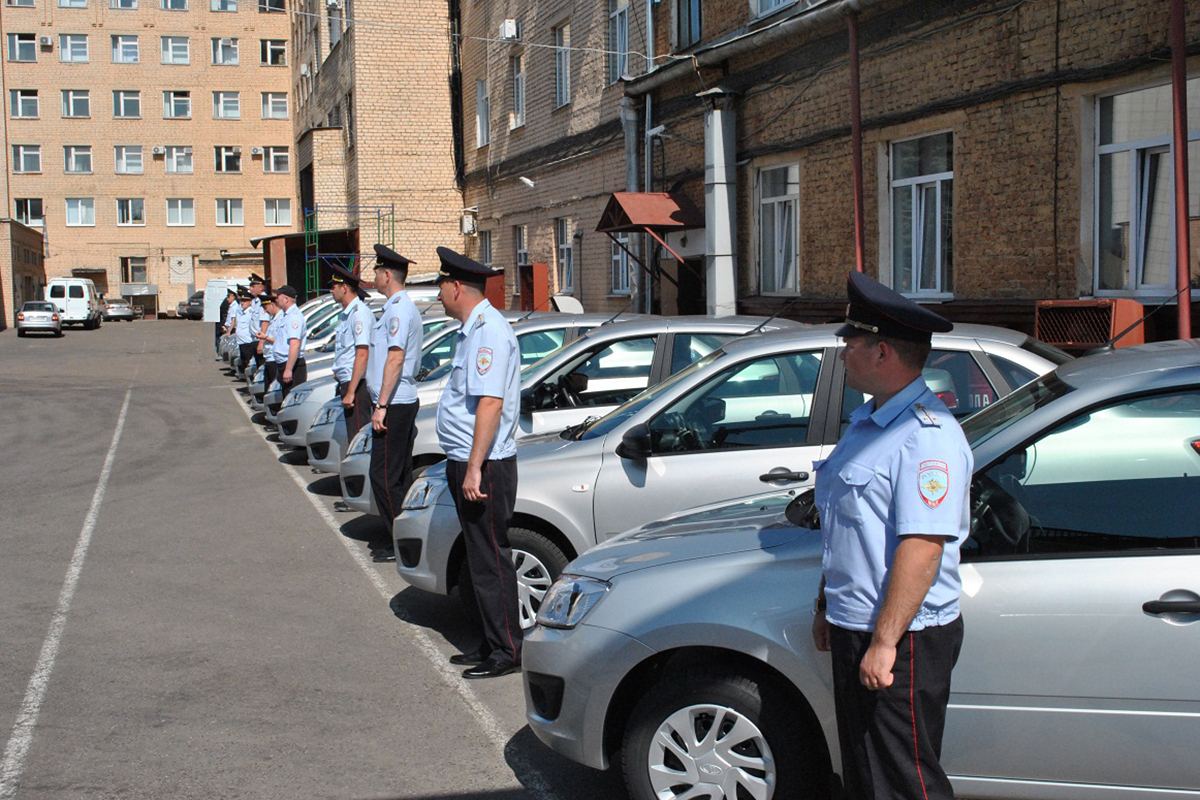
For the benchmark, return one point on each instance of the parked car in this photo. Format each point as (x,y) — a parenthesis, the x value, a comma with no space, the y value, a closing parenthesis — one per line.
(1081,584)
(40,316)
(117,308)
(757,411)
(192,308)
(77,301)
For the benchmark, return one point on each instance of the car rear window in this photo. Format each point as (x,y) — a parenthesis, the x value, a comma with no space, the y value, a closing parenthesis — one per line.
(58,290)
(76,291)
(38,307)
(1000,415)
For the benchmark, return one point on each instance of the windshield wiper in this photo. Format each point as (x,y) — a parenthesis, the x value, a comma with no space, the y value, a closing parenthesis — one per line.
(573,432)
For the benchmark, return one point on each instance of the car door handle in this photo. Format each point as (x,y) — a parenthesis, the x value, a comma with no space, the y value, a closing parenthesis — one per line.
(1171,607)
(783,474)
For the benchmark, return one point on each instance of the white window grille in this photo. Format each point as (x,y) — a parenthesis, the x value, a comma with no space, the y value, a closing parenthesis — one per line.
(922,203)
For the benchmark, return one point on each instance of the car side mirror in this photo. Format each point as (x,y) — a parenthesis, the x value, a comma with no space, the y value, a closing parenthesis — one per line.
(635,444)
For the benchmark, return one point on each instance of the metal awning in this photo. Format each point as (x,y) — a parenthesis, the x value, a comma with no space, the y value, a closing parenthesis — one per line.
(291,236)
(651,213)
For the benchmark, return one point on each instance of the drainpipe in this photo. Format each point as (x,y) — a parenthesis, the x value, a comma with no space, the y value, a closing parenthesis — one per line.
(629,130)
(720,201)
(856,143)
(1183,275)
(648,156)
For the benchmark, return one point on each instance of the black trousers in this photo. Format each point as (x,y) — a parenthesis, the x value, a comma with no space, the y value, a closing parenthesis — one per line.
(391,462)
(489,556)
(259,358)
(246,351)
(892,738)
(299,376)
(218,327)
(268,376)
(358,414)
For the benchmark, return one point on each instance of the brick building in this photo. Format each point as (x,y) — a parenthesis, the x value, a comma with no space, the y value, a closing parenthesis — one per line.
(1012,151)
(145,136)
(22,269)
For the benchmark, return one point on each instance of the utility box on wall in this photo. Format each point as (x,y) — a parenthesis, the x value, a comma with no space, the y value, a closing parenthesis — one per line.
(1083,324)
(533,283)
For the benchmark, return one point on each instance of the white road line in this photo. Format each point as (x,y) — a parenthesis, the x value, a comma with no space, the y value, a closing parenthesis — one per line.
(22,733)
(450,676)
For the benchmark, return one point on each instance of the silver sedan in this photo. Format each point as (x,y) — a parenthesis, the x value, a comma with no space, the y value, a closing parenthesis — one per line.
(39,316)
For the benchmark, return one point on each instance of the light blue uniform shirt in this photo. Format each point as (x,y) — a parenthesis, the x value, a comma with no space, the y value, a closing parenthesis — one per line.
(900,470)
(257,314)
(486,363)
(290,326)
(230,312)
(353,331)
(272,330)
(399,326)
(243,333)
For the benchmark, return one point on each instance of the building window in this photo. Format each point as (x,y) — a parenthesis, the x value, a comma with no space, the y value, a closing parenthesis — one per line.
(229,159)
(177,105)
(227,105)
(26,158)
(76,103)
(334,15)
(274,105)
(20,3)
(72,3)
(81,211)
(223,5)
(521,245)
(483,114)
(129,159)
(349,119)
(125,49)
(562,65)
(687,23)
(273,52)
(181,212)
(767,6)
(565,246)
(778,234)
(29,212)
(229,211)
(620,264)
(123,5)
(224,51)
(922,184)
(73,48)
(178,159)
(485,248)
(23,103)
(133,269)
(127,104)
(272,6)
(77,158)
(131,211)
(173,5)
(517,118)
(176,50)
(22,47)
(275,159)
(1135,203)
(277,211)
(618,39)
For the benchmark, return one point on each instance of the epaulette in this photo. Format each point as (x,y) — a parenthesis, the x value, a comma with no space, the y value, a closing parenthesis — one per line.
(926,416)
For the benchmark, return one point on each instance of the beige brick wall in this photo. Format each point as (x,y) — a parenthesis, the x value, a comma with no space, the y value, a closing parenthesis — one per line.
(103,245)
(22,269)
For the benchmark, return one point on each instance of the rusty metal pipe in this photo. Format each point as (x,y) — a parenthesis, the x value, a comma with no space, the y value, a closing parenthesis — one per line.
(1179,145)
(860,233)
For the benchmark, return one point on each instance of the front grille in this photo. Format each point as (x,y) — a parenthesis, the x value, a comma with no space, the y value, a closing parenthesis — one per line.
(320,450)
(546,692)
(354,485)
(409,552)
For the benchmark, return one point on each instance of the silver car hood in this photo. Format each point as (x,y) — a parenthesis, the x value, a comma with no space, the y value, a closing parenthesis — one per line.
(537,445)
(756,523)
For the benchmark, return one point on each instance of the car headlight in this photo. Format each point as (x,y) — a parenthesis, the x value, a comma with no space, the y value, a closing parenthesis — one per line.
(361,443)
(569,600)
(420,495)
(296,398)
(327,416)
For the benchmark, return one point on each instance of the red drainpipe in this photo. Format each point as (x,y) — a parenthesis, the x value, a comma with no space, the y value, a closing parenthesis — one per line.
(856,144)
(1183,276)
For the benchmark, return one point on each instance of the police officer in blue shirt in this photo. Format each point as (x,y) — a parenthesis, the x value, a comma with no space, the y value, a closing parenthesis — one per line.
(288,348)
(477,427)
(266,339)
(352,348)
(392,381)
(893,499)
(258,317)
(242,331)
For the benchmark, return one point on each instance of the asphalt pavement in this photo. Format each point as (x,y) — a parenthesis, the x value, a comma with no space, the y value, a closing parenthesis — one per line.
(186,616)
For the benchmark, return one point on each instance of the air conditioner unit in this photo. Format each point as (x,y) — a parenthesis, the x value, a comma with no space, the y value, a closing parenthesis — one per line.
(237,151)
(1083,324)
(333,3)
(46,41)
(468,225)
(304,70)
(510,29)
(256,151)
(158,150)
(227,43)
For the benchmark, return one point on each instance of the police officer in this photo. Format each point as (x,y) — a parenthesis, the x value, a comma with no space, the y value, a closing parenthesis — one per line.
(392,381)
(288,348)
(223,325)
(352,348)
(242,330)
(477,426)
(257,317)
(266,338)
(893,505)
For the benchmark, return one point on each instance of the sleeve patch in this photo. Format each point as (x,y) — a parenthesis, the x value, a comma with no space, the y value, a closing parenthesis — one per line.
(483,360)
(393,326)
(933,482)
(357,327)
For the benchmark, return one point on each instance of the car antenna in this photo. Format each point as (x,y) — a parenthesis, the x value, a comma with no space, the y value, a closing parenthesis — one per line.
(624,308)
(1108,346)
(785,307)
(534,309)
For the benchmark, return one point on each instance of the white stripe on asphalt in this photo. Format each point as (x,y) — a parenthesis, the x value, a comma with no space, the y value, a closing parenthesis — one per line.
(22,734)
(450,676)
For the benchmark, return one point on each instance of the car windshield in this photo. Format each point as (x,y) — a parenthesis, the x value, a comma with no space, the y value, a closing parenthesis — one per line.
(997,417)
(594,428)
(1046,351)
(34,306)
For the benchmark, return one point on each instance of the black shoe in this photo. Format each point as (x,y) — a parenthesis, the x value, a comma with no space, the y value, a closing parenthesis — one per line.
(342,505)
(491,668)
(383,556)
(467,659)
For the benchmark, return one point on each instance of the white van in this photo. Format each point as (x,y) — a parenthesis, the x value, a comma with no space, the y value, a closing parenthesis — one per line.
(76,300)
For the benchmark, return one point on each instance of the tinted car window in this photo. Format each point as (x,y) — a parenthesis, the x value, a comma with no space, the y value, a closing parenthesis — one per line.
(536,344)
(762,403)
(689,347)
(1116,480)
(58,290)
(436,353)
(1014,373)
(76,291)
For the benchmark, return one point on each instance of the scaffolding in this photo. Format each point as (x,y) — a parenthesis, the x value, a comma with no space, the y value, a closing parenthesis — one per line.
(385,234)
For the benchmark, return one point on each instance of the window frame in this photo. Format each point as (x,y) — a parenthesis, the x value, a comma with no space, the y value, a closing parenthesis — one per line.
(123,156)
(268,214)
(168,46)
(20,152)
(775,203)
(69,98)
(564,249)
(618,40)
(179,210)
(266,47)
(127,208)
(17,100)
(483,115)
(222,153)
(231,203)
(20,44)
(270,155)
(485,247)
(518,75)
(86,207)
(939,180)
(71,152)
(619,264)
(121,97)
(268,99)
(120,43)
(688,25)
(223,6)
(174,154)
(220,99)
(220,53)
(25,216)
(67,46)
(562,64)
(174,96)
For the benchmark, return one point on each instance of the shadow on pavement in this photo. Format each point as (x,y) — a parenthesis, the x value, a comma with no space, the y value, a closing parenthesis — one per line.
(260,418)
(296,458)
(533,762)
(440,613)
(327,486)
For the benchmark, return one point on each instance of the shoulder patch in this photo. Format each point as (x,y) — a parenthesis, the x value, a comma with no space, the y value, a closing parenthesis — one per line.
(933,482)
(927,417)
(393,326)
(295,325)
(357,326)
(483,360)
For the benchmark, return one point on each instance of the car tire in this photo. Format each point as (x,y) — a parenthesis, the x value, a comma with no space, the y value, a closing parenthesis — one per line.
(538,562)
(685,706)
(20,334)
(58,332)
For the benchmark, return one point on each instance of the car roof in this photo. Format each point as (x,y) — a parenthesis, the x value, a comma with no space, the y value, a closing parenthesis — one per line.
(1148,365)
(737,324)
(825,335)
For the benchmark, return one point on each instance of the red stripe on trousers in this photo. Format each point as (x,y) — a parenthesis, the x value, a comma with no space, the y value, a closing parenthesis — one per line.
(492,530)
